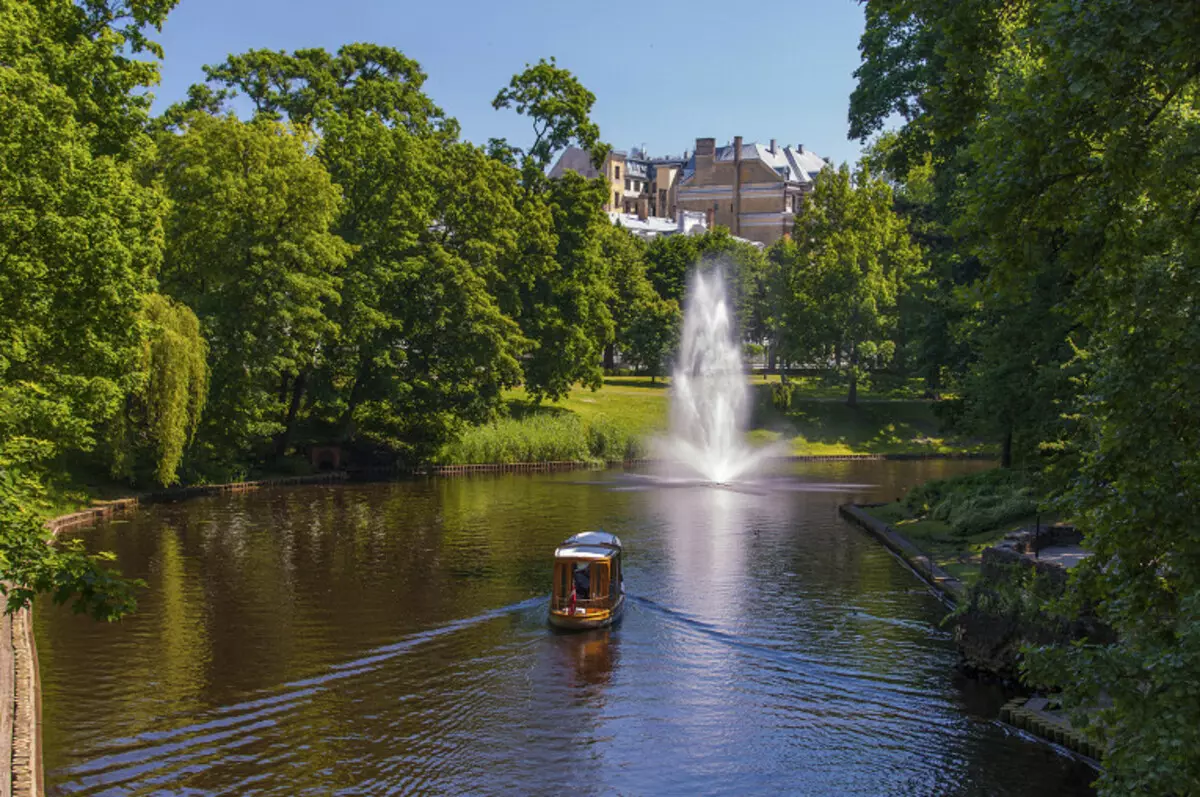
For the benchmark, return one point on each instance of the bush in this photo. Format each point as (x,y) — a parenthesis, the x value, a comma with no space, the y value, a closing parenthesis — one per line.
(978,502)
(609,441)
(781,395)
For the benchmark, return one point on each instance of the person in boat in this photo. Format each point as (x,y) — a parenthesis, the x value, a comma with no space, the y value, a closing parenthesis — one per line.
(582,581)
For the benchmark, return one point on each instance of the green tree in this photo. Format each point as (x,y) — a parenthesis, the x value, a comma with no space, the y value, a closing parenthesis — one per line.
(80,239)
(1069,140)
(652,333)
(424,345)
(163,411)
(558,290)
(841,279)
(250,249)
(560,108)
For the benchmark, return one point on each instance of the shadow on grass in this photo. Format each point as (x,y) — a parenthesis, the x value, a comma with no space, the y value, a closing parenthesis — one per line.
(519,409)
(898,426)
(635,381)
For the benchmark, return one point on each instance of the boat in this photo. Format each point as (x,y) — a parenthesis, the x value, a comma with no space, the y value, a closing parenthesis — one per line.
(589,585)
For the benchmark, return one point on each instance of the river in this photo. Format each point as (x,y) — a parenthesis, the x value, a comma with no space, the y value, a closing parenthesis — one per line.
(392,638)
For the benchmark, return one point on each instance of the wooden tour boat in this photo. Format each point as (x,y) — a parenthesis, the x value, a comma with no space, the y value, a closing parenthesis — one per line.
(589,586)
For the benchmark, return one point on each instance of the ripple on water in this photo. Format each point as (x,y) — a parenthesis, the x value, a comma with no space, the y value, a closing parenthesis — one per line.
(392,638)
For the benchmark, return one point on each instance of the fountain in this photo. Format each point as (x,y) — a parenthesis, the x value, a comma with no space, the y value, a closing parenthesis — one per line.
(709,394)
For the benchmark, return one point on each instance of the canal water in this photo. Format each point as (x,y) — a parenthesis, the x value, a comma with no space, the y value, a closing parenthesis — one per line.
(392,638)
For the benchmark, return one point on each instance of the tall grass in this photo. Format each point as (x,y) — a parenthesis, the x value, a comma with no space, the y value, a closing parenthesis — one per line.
(544,437)
(978,502)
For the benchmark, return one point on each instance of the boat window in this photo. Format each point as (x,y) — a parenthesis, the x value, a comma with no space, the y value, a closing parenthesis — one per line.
(564,580)
(600,580)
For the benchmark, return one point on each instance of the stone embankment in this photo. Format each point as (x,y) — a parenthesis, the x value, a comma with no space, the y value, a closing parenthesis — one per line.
(993,617)
(949,587)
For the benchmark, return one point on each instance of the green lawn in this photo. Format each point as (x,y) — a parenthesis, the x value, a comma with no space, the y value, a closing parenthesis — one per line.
(618,417)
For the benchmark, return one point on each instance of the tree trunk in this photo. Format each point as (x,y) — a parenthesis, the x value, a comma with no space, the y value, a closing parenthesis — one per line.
(1006,450)
(771,356)
(610,357)
(356,391)
(852,399)
(289,425)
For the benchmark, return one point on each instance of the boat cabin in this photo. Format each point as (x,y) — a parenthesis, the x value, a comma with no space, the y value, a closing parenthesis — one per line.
(589,588)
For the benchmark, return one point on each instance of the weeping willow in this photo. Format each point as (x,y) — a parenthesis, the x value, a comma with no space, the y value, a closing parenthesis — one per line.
(163,411)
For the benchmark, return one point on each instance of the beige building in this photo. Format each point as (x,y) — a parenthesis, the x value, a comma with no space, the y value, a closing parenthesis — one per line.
(637,184)
(753,189)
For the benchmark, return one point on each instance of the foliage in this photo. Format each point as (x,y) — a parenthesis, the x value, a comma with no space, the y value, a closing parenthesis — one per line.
(1068,140)
(162,415)
(80,239)
(559,107)
(840,281)
(557,289)
(978,502)
(652,334)
(30,565)
(250,250)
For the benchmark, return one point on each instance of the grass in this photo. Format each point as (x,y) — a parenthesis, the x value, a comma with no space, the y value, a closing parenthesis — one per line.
(953,520)
(615,421)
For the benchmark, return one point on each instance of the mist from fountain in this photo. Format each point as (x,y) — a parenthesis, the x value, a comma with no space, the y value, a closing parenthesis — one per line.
(709,394)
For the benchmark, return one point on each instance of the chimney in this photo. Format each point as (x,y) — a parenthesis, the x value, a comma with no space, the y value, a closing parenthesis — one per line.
(774,149)
(737,185)
(800,148)
(705,147)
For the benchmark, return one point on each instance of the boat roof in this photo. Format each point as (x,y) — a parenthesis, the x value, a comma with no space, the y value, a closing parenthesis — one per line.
(589,545)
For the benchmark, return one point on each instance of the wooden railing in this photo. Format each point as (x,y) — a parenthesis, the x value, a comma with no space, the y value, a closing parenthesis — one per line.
(561,604)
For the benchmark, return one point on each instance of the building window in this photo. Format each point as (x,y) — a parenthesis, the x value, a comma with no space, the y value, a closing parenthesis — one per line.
(617,174)
(616,200)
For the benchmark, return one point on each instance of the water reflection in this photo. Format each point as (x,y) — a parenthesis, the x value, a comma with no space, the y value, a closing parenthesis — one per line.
(382,638)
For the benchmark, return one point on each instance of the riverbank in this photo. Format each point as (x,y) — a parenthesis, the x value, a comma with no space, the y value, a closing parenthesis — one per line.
(998,575)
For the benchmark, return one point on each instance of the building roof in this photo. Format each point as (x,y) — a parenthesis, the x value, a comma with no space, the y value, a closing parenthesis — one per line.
(574,159)
(795,164)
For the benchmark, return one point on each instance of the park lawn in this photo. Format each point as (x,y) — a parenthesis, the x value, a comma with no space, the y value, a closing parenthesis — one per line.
(876,426)
(616,421)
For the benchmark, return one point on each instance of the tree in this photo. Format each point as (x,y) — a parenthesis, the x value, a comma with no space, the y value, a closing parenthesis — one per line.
(80,239)
(250,249)
(558,290)
(841,279)
(559,107)
(652,333)
(423,343)
(163,411)
(1069,140)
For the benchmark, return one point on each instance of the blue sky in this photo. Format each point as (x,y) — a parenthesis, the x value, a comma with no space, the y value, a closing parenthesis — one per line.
(664,73)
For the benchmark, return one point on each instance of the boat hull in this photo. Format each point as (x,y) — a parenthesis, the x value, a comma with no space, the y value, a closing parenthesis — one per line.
(566,622)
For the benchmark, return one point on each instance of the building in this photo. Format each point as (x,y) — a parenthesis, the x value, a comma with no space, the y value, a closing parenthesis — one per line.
(752,189)
(638,184)
(650,227)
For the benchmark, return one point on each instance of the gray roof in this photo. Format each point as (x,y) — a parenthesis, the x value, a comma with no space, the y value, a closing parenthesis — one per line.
(790,163)
(574,159)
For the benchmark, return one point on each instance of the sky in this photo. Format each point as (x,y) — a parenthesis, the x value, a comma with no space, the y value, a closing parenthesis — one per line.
(664,73)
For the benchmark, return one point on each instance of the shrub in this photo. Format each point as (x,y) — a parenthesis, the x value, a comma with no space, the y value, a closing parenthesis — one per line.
(978,502)
(781,395)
